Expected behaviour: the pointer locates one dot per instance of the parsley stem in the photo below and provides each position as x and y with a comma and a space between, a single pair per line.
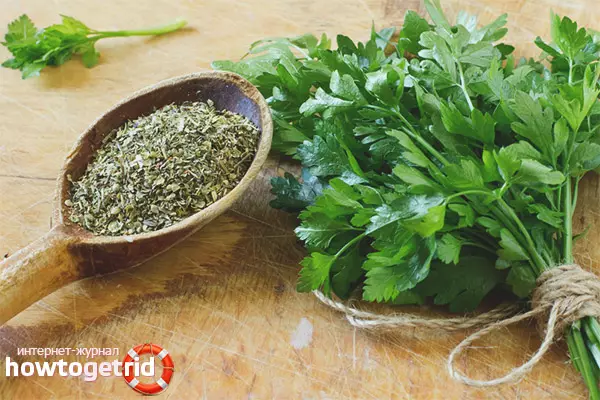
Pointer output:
467, 192
584, 360
594, 351
575, 194
504, 220
570, 71
530, 246
482, 246
410, 131
503, 189
157, 30
348, 245
463, 87
484, 236
413, 134
568, 225
591, 335
573, 351
594, 328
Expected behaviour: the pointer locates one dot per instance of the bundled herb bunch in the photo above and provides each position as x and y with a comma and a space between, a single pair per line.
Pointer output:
435, 166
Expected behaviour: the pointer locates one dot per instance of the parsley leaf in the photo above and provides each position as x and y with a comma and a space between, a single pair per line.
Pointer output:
448, 248
293, 195
414, 26
318, 230
324, 102
394, 270
462, 286
315, 272
325, 157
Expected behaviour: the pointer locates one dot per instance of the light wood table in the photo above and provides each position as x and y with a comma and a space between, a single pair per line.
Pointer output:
223, 302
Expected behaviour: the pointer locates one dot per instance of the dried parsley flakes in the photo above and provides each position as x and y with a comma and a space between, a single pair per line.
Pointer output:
161, 168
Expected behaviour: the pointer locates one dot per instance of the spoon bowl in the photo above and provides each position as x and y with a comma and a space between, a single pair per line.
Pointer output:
68, 252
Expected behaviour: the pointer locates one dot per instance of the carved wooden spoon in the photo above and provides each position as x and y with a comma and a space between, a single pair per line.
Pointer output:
68, 252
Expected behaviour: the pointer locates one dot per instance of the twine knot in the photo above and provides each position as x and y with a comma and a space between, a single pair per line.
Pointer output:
563, 295
571, 290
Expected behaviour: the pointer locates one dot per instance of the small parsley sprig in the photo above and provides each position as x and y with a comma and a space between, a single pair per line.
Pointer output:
436, 167
33, 49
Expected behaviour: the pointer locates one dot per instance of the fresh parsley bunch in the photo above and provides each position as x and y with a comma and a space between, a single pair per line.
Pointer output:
435, 166
33, 49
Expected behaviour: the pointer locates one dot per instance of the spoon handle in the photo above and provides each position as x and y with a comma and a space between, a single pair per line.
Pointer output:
36, 271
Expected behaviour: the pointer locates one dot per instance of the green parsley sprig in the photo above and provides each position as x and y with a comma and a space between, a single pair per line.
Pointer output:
33, 49
436, 167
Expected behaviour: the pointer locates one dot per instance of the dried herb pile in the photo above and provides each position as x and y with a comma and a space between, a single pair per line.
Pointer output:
436, 166
159, 169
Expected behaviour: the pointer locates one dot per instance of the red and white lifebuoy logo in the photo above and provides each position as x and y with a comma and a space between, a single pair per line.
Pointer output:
131, 360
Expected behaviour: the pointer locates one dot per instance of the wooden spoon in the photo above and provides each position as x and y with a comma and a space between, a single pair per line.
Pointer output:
68, 252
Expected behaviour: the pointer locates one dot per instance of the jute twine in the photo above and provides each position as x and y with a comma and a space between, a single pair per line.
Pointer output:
563, 295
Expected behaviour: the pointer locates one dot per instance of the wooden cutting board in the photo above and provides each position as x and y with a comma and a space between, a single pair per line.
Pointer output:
223, 302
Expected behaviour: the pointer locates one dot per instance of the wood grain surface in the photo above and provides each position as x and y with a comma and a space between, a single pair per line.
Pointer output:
223, 302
